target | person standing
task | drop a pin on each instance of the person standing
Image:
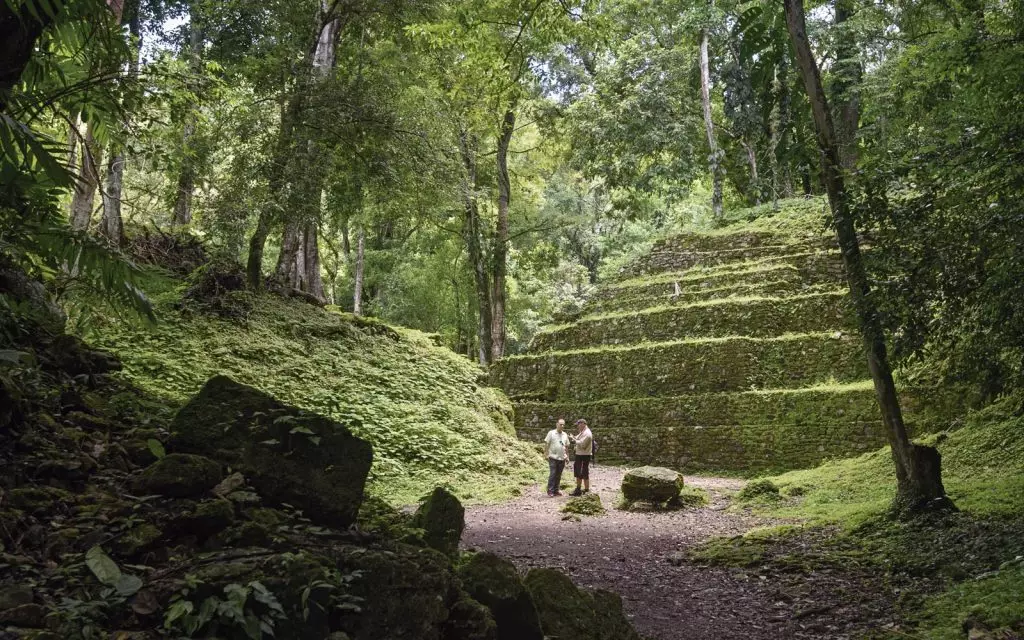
(556, 443)
(584, 442)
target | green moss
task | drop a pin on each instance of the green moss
(762, 490)
(586, 505)
(753, 316)
(992, 602)
(693, 497)
(419, 405)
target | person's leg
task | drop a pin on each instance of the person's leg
(585, 475)
(552, 476)
(559, 466)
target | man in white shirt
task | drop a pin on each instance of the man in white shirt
(555, 444)
(584, 442)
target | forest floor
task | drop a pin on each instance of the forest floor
(642, 556)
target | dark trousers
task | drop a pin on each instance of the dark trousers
(555, 474)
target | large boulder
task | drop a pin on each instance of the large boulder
(179, 475)
(570, 613)
(443, 519)
(289, 456)
(652, 484)
(495, 583)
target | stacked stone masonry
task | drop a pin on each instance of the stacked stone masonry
(726, 352)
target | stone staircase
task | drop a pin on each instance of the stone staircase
(726, 352)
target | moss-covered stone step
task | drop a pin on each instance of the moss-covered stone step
(661, 261)
(756, 317)
(687, 366)
(665, 295)
(749, 431)
(812, 267)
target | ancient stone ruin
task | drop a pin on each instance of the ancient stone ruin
(714, 352)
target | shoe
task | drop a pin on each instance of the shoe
(577, 493)
(551, 494)
(586, 491)
(558, 493)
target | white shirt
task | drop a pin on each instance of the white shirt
(585, 443)
(556, 442)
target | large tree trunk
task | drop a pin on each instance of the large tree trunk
(299, 264)
(471, 232)
(357, 293)
(313, 281)
(500, 254)
(755, 181)
(85, 189)
(917, 467)
(19, 30)
(847, 72)
(715, 157)
(187, 178)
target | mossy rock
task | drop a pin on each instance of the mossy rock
(179, 475)
(656, 485)
(570, 613)
(406, 592)
(288, 456)
(762, 490)
(588, 504)
(39, 499)
(206, 519)
(442, 518)
(494, 582)
(469, 620)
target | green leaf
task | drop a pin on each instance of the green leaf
(128, 585)
(301, 429)
(156, 448)
(105, 569)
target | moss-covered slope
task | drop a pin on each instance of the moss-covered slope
(731, 350)
(430, 420)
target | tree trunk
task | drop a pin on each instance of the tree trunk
(268, 214)
(187, 178)
(755, 182)
(357, 293)
(917, 467)
(19, 30)
(290, 262)
(500, 253)
(314, 283)
(85, 189)
(111, 225)
(715, 157)
(471, 233)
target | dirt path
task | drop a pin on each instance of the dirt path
(630, 554)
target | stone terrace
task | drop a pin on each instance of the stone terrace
(713, 352)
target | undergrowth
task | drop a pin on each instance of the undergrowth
(421, 406)
(952, 569)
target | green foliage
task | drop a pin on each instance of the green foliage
(244, 612)
(990, 601)
(418, 404)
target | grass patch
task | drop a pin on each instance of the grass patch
(430, 422)
(994, 602)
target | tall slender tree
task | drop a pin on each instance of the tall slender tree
(918, 474)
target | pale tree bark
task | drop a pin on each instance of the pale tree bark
(112, 224)
(715, 156)
(500, 253)
(357, 293)
(83, 196)
(471, 231)
(918, 476)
